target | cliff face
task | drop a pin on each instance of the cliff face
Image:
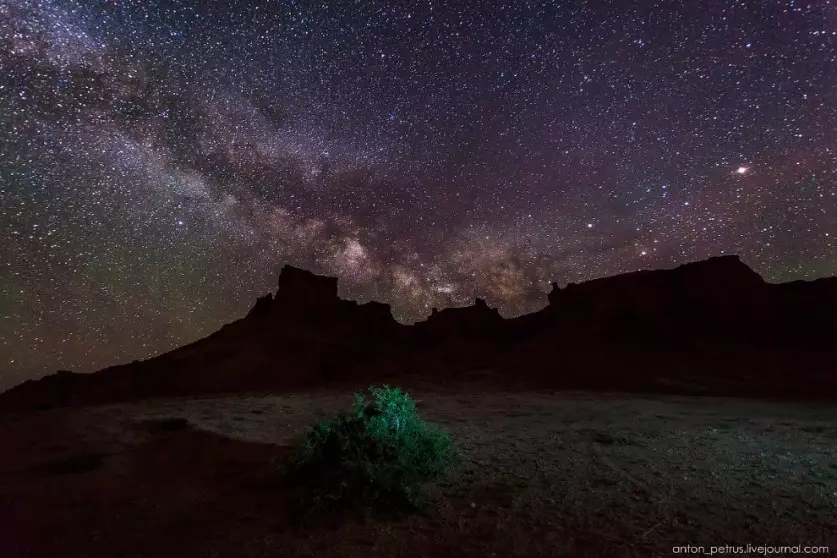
(470, 322)
(708, 298)
(807, 309)
(307, 299)
(719, 298)
(714, 324)
(302, 293)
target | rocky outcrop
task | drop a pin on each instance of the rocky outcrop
(302, 293)
(375, 315)
(717, 299)
(263, 305)
(721, 277)
(706, 327)
(304, 298)
(710, 297)
(806, 310)
(469, 322)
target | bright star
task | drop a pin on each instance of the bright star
(742, 170)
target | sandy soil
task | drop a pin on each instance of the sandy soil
(541, 475)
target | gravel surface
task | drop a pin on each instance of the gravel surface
(646, 472)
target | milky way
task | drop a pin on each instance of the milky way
(160, 161)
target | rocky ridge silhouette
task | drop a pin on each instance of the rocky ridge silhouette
(709, 327)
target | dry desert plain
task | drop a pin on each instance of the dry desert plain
(541, 474)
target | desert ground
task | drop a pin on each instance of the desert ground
(541, 474)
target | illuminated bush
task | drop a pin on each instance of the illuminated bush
(380, 454)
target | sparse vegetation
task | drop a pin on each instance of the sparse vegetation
(379, 455)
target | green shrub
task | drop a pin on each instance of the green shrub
(378, 455)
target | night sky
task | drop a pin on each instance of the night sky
(160, 161)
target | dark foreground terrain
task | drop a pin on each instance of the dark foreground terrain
(542, 474)
(128, 462)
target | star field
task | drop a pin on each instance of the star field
(161, 160)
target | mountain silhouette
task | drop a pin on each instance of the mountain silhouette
(712, 327)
